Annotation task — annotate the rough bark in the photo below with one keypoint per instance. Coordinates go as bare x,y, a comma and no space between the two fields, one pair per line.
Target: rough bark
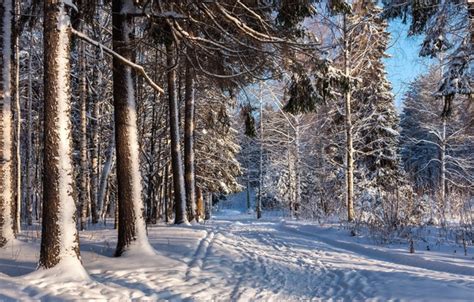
131,223
59,238
176,158
16,89
29,146
189,175
84,176
6,134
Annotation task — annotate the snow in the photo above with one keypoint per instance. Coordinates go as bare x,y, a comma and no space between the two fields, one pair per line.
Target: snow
7,229
67,207
235,257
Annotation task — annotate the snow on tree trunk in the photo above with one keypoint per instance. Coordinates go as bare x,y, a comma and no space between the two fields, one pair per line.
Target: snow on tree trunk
104,178
16,88
59,237
348,126
95,111
29,146
176,159
83,192
6,176
131,225
189,177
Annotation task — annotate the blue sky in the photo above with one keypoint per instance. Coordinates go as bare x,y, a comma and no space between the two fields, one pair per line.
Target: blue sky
405,64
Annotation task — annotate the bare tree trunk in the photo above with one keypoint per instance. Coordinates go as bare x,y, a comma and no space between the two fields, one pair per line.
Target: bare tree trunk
189,177
297,168
166,192
59,237
84,179
131,226
348,124
94,154
29,147
176,159
6,134
16,87
260,169
199,203
444,204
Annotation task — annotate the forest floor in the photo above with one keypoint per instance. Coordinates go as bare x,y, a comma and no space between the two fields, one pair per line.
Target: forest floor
234,257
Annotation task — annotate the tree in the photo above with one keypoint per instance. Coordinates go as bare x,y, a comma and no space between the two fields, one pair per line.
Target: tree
189,179
176,157
435,151
6,139
131,228
59,237
448,28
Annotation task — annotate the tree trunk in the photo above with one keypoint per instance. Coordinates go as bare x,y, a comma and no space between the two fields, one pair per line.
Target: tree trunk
131,224
444,205
189,177
348,124
59,237
84,179
297,168
29,147
199,203
176,160
16,88
260,169
6,134
94,154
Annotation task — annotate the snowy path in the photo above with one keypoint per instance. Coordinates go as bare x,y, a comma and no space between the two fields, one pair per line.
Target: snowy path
240,259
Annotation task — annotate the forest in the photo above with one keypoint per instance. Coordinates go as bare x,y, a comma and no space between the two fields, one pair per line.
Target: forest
164,150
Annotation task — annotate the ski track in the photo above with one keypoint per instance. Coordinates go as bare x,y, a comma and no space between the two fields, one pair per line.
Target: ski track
247,260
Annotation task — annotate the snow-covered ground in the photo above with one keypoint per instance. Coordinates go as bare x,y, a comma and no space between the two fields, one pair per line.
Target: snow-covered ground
237,258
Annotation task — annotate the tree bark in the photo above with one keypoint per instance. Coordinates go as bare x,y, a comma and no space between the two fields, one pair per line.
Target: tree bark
131,223
348,124
16,88
59,237
84,176
176,159
189,175
29,147
6,134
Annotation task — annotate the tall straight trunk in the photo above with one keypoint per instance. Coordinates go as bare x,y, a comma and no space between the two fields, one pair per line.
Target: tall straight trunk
297,168
348,125
131,223
150,200
94,107
199,203
176,159
16,88
166,192
6,134
84,176
189,177
59,237
29,146
94,153
104,178
444,204
260,168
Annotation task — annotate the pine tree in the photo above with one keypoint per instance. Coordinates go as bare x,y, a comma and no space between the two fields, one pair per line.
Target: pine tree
376,120
59,237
